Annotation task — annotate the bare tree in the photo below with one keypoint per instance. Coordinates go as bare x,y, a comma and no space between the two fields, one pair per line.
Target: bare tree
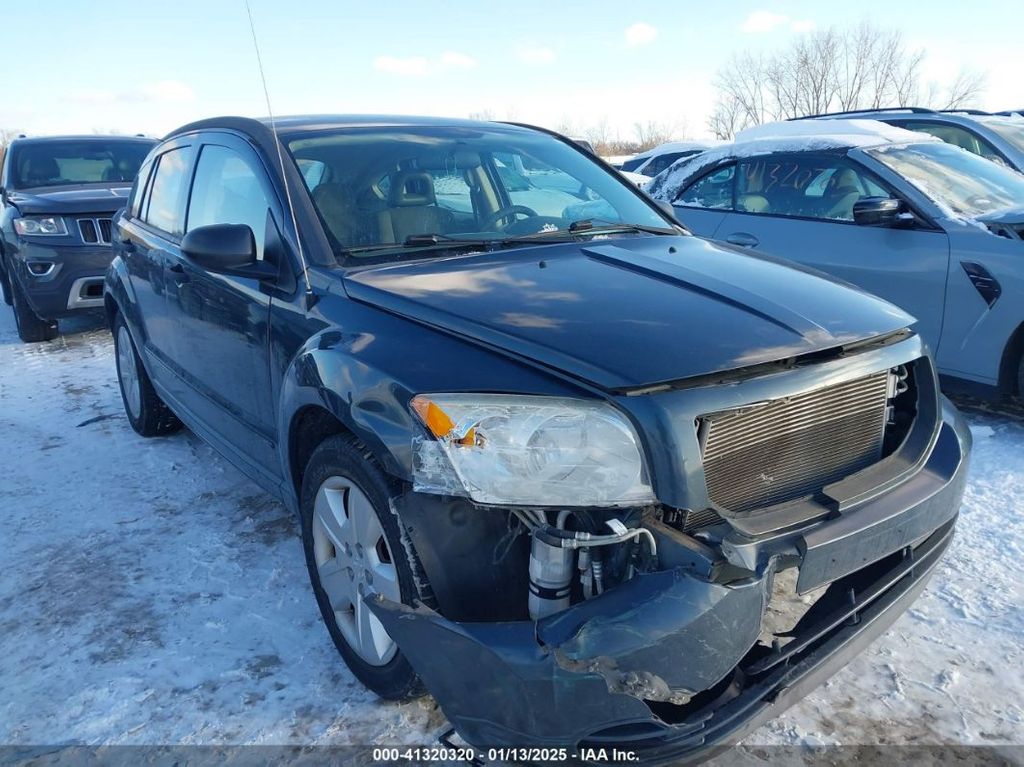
653,132
963,91
6,137
727,119
486,115
861,67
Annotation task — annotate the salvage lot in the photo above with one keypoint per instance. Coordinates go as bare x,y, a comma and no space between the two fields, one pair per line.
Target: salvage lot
150,594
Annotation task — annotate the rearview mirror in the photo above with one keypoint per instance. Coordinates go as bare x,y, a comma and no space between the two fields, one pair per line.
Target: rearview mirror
226,249
878,211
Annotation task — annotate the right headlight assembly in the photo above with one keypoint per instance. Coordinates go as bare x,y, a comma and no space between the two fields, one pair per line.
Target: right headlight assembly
522,450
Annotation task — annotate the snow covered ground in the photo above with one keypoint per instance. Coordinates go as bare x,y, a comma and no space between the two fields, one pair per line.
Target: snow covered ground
150,594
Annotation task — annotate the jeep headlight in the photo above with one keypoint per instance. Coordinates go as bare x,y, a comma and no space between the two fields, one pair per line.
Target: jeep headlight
40,225
520,450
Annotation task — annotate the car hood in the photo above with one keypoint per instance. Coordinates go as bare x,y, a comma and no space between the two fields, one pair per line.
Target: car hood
87,198
630,312
1011,216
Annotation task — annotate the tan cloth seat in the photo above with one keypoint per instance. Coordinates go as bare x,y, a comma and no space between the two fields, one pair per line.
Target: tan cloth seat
413,208
842,192
753,203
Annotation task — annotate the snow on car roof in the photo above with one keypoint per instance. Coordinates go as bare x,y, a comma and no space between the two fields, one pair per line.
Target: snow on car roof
789,136
676,146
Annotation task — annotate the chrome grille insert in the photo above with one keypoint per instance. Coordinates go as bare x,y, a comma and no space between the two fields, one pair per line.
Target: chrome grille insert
777,451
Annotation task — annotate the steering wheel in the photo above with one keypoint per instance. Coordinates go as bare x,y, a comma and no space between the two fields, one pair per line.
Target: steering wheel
509,211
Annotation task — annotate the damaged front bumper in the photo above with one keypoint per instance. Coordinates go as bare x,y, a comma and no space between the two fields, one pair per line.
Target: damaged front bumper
669,664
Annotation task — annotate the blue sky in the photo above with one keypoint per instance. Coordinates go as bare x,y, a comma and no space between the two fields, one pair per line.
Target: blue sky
148,67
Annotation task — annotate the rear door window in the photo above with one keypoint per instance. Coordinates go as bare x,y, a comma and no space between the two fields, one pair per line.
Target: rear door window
165,206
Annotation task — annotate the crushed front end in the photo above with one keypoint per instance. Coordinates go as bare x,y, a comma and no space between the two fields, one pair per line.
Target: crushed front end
837,479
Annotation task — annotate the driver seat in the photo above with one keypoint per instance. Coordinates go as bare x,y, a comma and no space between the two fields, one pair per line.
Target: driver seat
413,208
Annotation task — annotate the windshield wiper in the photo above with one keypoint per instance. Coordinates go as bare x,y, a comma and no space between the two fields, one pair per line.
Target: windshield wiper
601,226
586,227
422,242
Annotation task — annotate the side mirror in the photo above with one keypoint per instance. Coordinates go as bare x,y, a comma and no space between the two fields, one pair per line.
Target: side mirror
880,211
226,249
667,209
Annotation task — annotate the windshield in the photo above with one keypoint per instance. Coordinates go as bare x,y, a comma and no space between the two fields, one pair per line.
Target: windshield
967,184
82,161
376,188
1010,128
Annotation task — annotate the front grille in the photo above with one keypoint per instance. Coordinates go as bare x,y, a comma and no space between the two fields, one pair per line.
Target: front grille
95,231
777,451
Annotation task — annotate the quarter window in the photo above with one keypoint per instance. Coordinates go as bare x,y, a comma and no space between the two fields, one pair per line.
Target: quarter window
803,186
166,206
714,190
227,190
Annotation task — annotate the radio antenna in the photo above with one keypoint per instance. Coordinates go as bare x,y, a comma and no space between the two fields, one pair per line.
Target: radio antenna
280,153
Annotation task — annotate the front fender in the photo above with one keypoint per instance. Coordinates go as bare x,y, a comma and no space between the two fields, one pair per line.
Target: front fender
327,373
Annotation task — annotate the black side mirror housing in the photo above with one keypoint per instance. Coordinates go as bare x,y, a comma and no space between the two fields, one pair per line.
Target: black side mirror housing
227,249
880,211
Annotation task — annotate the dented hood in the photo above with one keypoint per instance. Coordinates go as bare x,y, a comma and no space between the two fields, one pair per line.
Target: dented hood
630,312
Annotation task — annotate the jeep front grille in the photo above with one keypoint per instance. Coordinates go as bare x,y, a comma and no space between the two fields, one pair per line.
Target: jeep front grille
95,231
780,450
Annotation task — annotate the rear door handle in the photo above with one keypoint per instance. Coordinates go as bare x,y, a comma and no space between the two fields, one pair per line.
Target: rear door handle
743,239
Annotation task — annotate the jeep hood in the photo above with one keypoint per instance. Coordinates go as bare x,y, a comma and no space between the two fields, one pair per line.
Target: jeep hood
68,200
630,312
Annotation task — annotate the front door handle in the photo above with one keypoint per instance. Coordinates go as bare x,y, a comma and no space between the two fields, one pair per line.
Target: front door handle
743,239
180,276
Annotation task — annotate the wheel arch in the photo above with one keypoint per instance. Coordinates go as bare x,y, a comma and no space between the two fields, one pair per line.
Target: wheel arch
310,426
326,391
1013,354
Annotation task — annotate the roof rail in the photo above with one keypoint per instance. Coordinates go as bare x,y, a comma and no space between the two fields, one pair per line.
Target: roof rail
914,110
1010,112
964,112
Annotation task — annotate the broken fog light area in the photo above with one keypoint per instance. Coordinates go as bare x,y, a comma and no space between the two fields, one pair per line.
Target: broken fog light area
785,608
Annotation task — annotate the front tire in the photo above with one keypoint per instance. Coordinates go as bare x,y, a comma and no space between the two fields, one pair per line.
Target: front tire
31,327
353,549
147,413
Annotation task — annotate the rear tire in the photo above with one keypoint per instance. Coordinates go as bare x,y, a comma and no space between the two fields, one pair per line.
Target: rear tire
344,492
31,327
147,413
5,282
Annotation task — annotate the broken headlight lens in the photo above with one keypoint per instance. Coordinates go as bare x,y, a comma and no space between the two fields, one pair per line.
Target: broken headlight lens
523,450
40,225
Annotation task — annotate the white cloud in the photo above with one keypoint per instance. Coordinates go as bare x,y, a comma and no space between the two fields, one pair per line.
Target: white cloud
411,66
457,60
766,21
532,54
640,33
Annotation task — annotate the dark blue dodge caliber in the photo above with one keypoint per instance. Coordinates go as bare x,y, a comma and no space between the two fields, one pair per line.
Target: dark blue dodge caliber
588,480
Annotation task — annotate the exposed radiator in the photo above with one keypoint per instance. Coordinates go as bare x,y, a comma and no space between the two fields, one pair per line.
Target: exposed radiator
772,452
